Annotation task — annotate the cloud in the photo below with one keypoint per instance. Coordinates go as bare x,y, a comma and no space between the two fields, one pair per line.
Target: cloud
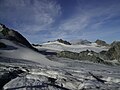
74,24
57,19
30,15
89,18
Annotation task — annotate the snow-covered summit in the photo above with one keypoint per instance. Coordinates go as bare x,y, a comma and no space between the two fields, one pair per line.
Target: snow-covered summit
80,41
57,46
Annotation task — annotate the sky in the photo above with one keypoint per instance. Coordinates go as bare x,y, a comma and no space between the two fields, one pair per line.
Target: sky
46,20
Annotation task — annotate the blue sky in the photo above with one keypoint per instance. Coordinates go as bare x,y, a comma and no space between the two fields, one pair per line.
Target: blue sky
45,20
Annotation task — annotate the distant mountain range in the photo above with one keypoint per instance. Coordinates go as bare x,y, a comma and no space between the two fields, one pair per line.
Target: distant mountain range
82,42
100,49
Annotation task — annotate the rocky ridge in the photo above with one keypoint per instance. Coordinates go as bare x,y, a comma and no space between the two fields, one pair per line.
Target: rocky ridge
12,35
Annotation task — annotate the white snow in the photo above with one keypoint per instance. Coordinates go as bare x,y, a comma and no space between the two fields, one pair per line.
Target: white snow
1,28
74,48
90,54
23,52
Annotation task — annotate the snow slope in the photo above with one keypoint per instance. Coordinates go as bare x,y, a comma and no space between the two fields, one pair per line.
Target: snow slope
74,48
21,52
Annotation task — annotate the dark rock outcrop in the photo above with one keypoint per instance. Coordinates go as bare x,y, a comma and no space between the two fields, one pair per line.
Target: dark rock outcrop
114,52
84,55
102,54
6,33
2,45
101,42
8,76
114,43
64,41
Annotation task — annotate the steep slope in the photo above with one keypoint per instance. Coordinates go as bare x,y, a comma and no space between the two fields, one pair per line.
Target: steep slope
114,52
12,35
18,51
14,45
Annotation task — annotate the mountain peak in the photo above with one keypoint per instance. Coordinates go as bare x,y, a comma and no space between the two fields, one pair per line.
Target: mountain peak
12,35
81,41
64,41
101,42
2,26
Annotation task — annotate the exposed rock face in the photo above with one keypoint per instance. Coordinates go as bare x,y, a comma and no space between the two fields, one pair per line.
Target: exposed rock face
84,55
64,41
2,45
114,52
101,43
102,54
114,43
6,33
8,76
16,36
